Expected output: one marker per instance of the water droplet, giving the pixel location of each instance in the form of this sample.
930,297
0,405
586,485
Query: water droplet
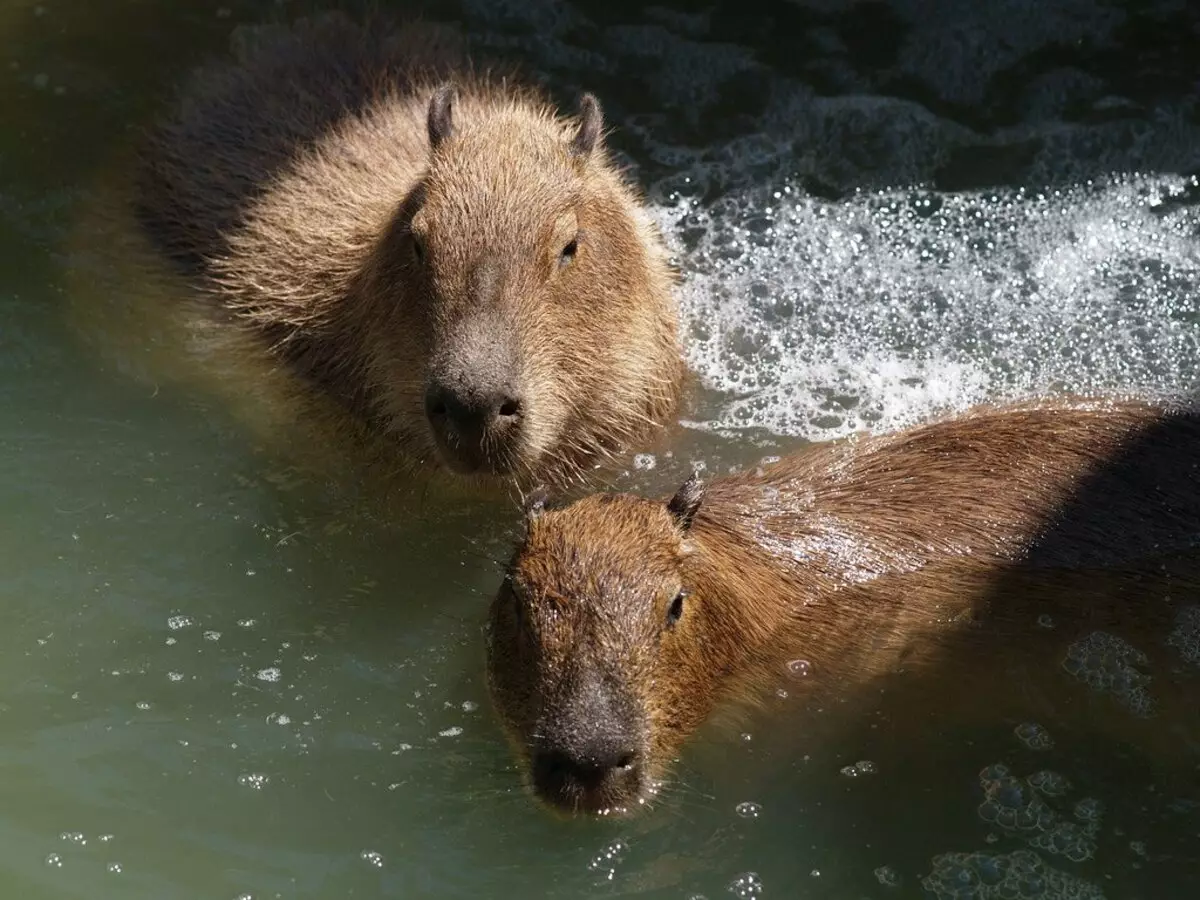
748,810
373,858
799,668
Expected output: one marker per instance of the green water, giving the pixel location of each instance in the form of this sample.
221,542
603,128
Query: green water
220,681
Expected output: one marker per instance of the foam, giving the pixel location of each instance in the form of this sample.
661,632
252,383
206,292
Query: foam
819,318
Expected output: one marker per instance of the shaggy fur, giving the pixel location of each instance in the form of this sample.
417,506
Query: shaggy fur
932,549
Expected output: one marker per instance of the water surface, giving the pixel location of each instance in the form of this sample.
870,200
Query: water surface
225,681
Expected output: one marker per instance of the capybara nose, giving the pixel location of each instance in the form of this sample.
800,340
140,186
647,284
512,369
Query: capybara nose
475,426
600,777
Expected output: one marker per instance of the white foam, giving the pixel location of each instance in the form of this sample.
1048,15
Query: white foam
819,318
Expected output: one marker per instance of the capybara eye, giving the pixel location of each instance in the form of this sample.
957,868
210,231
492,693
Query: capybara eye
418,249
567,256
675,610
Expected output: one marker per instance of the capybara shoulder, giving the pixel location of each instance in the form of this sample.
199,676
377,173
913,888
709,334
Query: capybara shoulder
624,623
431,243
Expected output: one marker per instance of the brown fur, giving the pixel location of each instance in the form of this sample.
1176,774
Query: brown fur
294,184
933,549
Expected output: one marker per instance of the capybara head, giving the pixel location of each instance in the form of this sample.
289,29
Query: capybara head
541,296
603,654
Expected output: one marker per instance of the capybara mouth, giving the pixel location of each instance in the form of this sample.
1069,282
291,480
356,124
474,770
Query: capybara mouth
468,460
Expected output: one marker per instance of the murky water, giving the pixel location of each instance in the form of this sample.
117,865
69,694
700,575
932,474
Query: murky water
220,680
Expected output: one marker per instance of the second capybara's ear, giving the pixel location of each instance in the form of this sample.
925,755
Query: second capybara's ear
440,119
686,502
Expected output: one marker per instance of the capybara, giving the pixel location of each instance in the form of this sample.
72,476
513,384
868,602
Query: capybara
428,243
625,623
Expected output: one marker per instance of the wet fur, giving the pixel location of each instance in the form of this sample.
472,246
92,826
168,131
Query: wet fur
284,189
917,563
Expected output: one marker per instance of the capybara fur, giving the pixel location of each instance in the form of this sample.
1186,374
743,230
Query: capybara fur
1001,553
429,244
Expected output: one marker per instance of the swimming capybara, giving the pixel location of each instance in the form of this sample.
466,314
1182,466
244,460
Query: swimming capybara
432,245
625,623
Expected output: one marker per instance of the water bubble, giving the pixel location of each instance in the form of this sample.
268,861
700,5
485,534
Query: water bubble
1034,736
212,635
746,885
247,623
454,731
175,676
469,706
269,674
54,861
887,876
253,780
606,861
862,767
799,668
143,705
177,622
644,461
75,837
105,838
748,810
372,857
1045,621
114,868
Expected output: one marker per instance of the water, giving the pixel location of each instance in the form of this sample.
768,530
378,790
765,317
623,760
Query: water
222,680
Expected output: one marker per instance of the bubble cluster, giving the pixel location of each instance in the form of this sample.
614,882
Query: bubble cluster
372,858
984,876
816,319
1019,806
1106,663
253,780
1034,736
862,767
887,876
604,864
746,886
748,810
1185,637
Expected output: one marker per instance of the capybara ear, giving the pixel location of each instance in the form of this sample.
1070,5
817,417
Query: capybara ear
440,119
686,502
535,502
591,121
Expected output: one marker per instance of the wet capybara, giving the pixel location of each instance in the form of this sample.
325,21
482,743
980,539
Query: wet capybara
980,547
430,244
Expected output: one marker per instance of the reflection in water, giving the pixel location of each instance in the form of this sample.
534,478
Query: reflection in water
881,210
